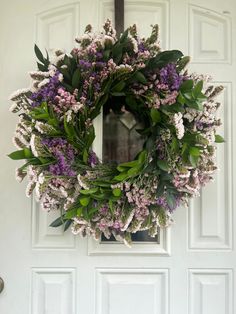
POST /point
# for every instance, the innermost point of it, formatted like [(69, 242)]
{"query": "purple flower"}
[(99, 55), (48, 92), (170, 77), (161, 201), (141, 47), (93, 159), (64, 154), (85, 64)]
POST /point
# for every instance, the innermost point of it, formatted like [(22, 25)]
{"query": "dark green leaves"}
[(155, 115), (163, 58), (191, 95), (76, 78), (194, 154), (163, 165), (43, 66), (58, 222), (131, 168), (197, 89), (139, 77), (186, 86)]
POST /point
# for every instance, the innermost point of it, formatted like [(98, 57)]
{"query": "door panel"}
[(190, 269)]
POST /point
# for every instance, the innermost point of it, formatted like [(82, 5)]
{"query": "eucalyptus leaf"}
[(219, 139), (116, 192), (163, 165), (84, 201), (67, 224), (88, 192), (76, 78), (155, 115), (58, 222)]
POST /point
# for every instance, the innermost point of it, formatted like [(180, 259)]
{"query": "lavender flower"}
[(64, 154), (170, 77), (46, 93)]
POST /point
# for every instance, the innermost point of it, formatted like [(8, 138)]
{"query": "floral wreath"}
[(55, 133)]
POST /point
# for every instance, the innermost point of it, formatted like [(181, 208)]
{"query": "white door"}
[(190, 269)]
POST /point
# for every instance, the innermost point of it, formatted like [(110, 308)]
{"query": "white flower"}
[(15, 107), (60, 77), (81, 183), (77, 107), (20, 174), (43, 82), (19, 93), (32, 145), (69, 115), (179, 124), (29, 189), (52, 70), (134, 43), (35, 75)]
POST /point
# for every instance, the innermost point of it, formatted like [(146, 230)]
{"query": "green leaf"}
[(116, 192), (76, 78), (71, 213), (182, 63), (138, 76), (92, 210), (124, 35), (186, 86), (155, 115), (28, 153), (119, 86), (106, 54), (194, 151), (19, 154), (110, 202), (58, 222), (65, 74), (170, 200), (181, 99), (41, 67), (142, 157), (121, 177), (79, 211), (117, 94), (121, 168), (117, 52), (85, 156), (131, 102), (197, 89), (88, 192), (219, 139), (84, 201), (134, 171), (193, 160), (38, 53), (163, 165), (129, 164), (68, 87), (67, 224), (175, 145)]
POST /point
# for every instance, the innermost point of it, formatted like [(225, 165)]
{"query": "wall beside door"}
[(190, 269)]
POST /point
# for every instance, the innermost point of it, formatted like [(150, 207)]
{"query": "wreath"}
[(55, 133)]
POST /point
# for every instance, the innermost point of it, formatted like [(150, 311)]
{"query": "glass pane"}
[(121, 143)]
